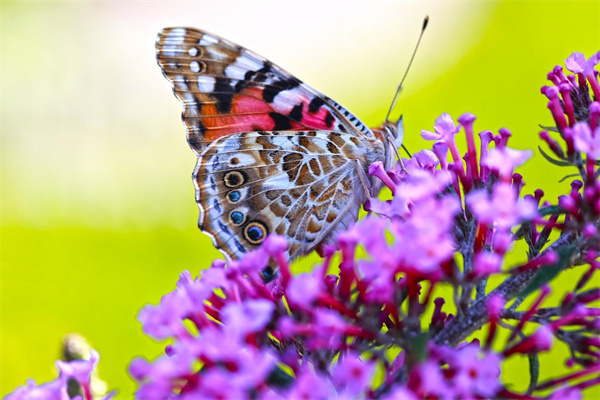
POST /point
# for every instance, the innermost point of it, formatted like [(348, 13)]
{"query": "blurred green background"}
[(98, 211)]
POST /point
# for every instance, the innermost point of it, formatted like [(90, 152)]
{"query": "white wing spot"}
[(171, 51), (176, 35), (249, 62), (206, 83), (195, 66), (234, 71), (288, 99), (208, 40), (180, 82), (193, 52)]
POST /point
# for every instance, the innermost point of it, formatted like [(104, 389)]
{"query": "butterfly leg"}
[(363, 178)]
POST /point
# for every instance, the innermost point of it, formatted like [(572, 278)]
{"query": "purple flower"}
[(401, 393), (432, 381), (566, 393), (505, 160), (423, 240), (477, 374), (577, 64), (55, 390), (503, 209), (310, 385), (585, 140), (444, 128), (158, 380), (486, 263), (215, 384), (352, 376), (252, 367), (304, 289), (247, 317), (165, 320)]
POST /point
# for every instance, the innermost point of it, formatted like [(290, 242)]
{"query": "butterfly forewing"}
[(227, 89), (274, 155)]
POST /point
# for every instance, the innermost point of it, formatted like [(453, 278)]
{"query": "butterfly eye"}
[(234, 179), (234, 196), (237, 218), (255, 232)]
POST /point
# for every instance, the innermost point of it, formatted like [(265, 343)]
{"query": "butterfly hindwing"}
[(228, 89), (299, 184)]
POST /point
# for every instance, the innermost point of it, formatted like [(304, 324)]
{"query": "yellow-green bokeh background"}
[(98, 211)]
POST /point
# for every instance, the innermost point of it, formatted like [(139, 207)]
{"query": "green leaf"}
[(534, 372), (551, 210), (567, 177), (418, 346), (547, 273), (553, 160), (549, 128), (278, 377)]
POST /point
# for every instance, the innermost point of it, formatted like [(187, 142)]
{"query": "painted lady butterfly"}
[(274, 155)]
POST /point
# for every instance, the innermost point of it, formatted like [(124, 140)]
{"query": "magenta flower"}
[(486, 264), (444, 128), (55, 390), (476, 373), (352, 376), (505, 160), (368, 321), (79, 370), (304, 289), (247, 317), (310, 385), (577, 63), (502, 209), (587, 141)]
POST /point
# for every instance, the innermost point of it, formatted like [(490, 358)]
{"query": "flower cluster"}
[(75, 381), (373, 327), (377, 326)]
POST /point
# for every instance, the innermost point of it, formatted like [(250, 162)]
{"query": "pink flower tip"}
[(495, 306), (551, 92), (544, 338), (275, 244), (595, 107), (218, 264), (590, 230), (546, 290), (466, 118), (550, 258)]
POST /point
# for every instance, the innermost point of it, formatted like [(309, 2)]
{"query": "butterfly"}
[(274, 154)]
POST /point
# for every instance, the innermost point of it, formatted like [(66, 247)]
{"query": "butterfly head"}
[(392, 135)]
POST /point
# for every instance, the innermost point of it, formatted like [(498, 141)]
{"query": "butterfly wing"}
[(303, 185), (274, 155), (227, 89)]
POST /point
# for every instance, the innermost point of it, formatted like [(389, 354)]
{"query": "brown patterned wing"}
[(302, 185)]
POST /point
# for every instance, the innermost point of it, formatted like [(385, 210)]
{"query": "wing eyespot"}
[(234, 196), (236, 218), (234, 179), (255, 232)]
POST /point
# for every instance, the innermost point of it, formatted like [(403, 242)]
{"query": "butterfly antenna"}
[(425, 22)]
